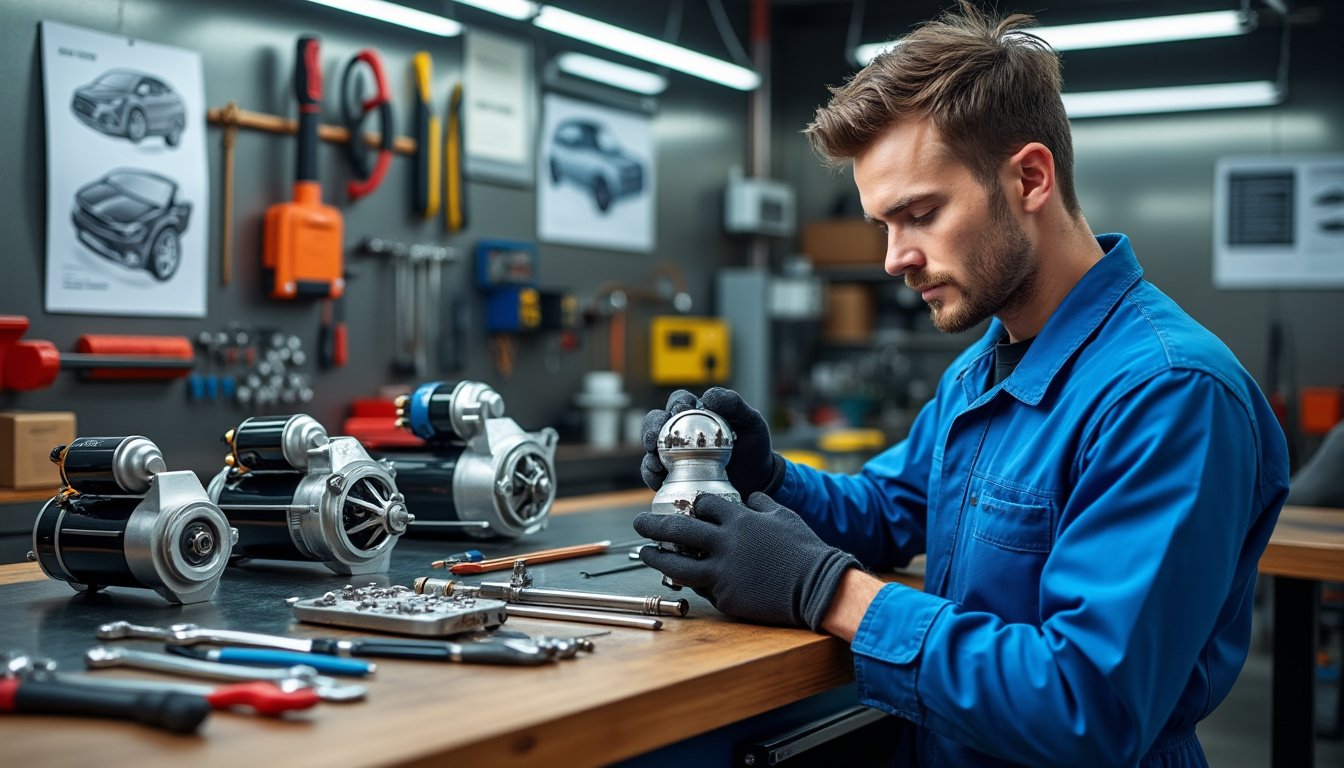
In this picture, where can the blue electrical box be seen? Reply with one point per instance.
(501, 263)
(512, 309)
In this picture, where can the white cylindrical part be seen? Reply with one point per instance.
(604, 427)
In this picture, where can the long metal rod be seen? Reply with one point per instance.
(589, 617)
(648, 606)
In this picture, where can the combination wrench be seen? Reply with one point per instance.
(287, 678)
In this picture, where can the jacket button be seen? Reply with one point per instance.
(974, 501)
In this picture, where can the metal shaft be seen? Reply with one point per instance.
(589, 617)
(648, 606)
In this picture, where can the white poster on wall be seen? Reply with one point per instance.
(127, 194)
(1278, 222)
(499, 107)
(595, 176)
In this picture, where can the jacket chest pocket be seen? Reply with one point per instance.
(1000, 563)
(1011, 520)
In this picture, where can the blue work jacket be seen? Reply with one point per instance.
(1092, 525)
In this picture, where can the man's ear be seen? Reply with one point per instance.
(1031, 173)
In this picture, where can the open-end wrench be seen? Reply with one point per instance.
(284, 655)
(504, 652)
(287, 678)
(190, 634)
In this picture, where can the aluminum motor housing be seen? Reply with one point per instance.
(172, 539)
(502, 477)
(339, 506)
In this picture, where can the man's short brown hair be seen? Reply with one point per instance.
(988, 86)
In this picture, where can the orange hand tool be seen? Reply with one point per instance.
(303, 245)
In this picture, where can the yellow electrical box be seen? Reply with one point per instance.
(688, 350)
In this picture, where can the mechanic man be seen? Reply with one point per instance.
(1093, 481)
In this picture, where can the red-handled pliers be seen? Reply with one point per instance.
(366, 180)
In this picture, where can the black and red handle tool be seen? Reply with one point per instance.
(171, 711)
(354, 109)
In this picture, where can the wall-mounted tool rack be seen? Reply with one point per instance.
(230, 118)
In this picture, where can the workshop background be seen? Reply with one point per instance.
(1149, 176)
(838, 354)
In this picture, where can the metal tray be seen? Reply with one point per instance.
(407, 613)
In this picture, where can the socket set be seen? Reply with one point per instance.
(399, 610)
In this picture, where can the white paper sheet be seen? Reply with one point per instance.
(127, 190)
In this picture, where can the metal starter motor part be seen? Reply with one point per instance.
(695, 446)
(121, 519)
(294, 493)
(482, 474)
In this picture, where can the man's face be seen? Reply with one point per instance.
(955, 242)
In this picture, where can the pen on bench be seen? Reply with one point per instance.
(532, 558)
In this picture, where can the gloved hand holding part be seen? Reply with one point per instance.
(759, 562)
(754, 466)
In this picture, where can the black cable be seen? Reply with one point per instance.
(725, 28)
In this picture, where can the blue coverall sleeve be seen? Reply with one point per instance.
(879, 514)
(1165, 522)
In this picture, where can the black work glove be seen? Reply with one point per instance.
(753, 466)
(760, 562)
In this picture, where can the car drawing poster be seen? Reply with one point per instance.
(595, 176)
(127, 196)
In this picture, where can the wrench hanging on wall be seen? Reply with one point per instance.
(417, 299)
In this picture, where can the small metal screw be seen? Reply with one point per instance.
(336, 482)
(749, 760)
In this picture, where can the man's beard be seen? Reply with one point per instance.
(1000, 275)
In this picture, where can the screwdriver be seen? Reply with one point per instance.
(327, 665)
(469, 556)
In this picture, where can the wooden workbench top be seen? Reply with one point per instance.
(638, 691)
(1307, 543)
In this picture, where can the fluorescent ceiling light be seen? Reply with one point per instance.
(1108, 34)
(647, 48)
(514, 9)
(611, 73)
(1158, 29)
(1182, 98)
(397, 14)
(864, 54)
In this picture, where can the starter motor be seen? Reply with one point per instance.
(481, 473)
(122, 520)
(294, 493)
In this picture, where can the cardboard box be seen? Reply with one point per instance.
(26, 440)
(845, 242)
(851, 312)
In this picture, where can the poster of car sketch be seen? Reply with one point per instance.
(595, 176)
(127, 194)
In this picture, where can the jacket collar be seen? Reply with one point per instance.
(1081, 312)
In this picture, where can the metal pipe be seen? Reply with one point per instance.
(590, 617)
(648, 606)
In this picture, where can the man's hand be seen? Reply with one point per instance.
(753, 466)
(760, 562)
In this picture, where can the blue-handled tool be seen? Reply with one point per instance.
(469, 556)
(328, 665)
